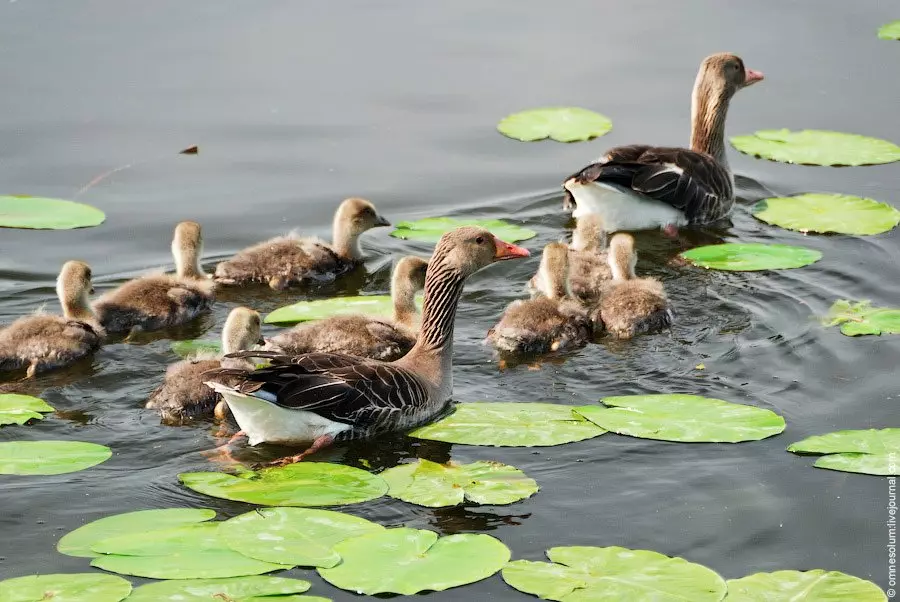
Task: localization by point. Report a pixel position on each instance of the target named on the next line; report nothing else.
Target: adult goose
(643, 187)
(44, 341)
(322, 397)
(286, 260)
(629, 305)
(550, 322)
(159, 300)
(374, 337)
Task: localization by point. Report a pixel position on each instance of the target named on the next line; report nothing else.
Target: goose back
(154, 302)
(47, 341)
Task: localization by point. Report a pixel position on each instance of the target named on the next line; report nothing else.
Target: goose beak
(751, 77)
(380, 221)
(506, 250)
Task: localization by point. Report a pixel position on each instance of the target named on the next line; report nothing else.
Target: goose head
(725, 73)
(622, 258)
(354, 216)
(552, 277)
(241, 331)
(187, 248)
(407, 280)
(73, 287)
(589, 234)
(470, 248)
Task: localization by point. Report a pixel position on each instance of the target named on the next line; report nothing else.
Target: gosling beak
(380, 221)
(751, 77)
(506, 250)
(91, 291)
(261, 341)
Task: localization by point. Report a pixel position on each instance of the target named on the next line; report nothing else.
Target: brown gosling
(286, 260)
(630, 305)
(588, 259)
(44, 341)
(158, 300)
(182, 396)
(551, 322)
(362, 335)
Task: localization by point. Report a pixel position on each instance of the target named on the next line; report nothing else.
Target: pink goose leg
(320, 443)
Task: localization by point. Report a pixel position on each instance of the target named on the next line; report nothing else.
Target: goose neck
(443, 288)
(709, 107)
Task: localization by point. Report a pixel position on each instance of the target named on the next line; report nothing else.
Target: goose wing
(695, 183)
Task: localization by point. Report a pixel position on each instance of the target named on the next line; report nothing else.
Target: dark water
(297, 105)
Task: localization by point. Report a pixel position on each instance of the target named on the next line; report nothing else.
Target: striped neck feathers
(443, 288)
(709, 107)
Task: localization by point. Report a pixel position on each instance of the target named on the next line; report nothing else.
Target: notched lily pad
(505, 424)
(435, 485)
(817, 147)
(38, 213)
(296, 536)
(803, 586)
(319, 309)
(684, 418)
(301, 484)
(50, 457)
(236, 589)
(194, 347)
(408, 561)
(890, 31)
(872, 451)
(581, 573)
(860, 318)
(820, 212)
(65, 587)
(563, 124)
(19, 409)
(430, 229)
(749, 257)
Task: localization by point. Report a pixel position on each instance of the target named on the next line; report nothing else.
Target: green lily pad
(582, 573)
(296, 536)
(861, 318)
(301, 484)
(890, 31)
(819, 212)
(803, 586)
(183, 552)
(50, 457)
(38, 213)
(435, 485)
(870, 451)
(80, 541)
(305, 311)
(817, 147)
(685, 418)
(408, 561)
(505, 424)
(430, 229)
(563, 124)
(749, 257)
(236, 589)
(65, 587)
(196, 346)
(19, 409)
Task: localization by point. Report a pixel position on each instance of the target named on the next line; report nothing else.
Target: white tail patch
(621, 208)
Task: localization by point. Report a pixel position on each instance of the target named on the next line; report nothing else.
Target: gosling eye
(480, 240)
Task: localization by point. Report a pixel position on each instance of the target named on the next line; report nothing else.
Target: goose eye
(480, 240)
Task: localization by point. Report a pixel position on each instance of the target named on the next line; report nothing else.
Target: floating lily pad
(870, 451)
(861, 318)
(685, 418)
(196, 346)
(890, 31)
(38, 213)
(301, 484)
(563, 124)
(582, 573)
(65, 587)
(510, 424)
(79, 541)
(296, 536)
(803, 586)
(749, 257)
(237, 589)
(50, 457)
(183, 552)
(19, 409)
(817, 147)
(408, 561)
(434, 485)
(430, 229)
(819, 212)
(304, 311)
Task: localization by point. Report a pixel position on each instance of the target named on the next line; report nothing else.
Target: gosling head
(552, 277)
(724, 74)
(241, 331)
(467, 249)
(354, 216)
(407, 280)
(73, 287)
(187, 249)
(589, 234)
(622, 258)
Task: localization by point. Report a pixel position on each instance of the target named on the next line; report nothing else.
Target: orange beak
(506, 250)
